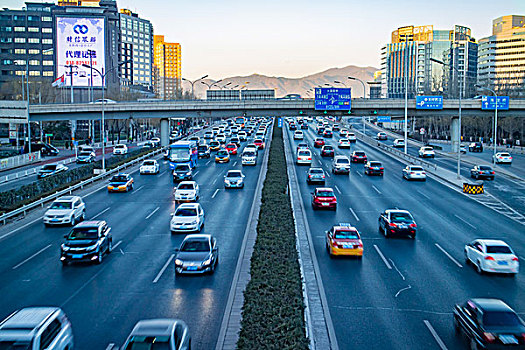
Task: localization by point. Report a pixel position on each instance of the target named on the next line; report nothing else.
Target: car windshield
(346, 235)
(61, 205)
(222, 153)
(203, 148)
(186, 212)
(500, 318)
(328, 148)
(359, 154)
(120, 146)
(119, 178)
(49, 167)
(342, 161)
(84, 154)
(325, 193)
(504, 155)
(376, 164)
(416, 168)
(248, 154)
(195, 246)
(316, 171)
(83, 233)
(304, 153)
(234, 174)
(343, 140)
(185, 187)
(231, 145)
(484, 167)
(148, 162)
(182, 168)
(400, 217)
(214, 143)
(149, 343)
(498, 249)
(257, 141)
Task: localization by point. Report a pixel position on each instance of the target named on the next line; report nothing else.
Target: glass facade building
(167, 76)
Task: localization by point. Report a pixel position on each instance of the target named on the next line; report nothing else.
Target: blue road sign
(429, 102)
(384, 119)
(333, 99)
(489, 102)
(280, 122)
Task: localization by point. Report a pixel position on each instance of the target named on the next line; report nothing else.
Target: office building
(407, 60)
(501, 62)
(223, 95)
(267, 94)
(86, 3)
(167, 76)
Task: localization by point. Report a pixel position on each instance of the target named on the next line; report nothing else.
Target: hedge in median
(273, 310)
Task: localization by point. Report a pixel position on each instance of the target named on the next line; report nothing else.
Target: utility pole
(71, 66)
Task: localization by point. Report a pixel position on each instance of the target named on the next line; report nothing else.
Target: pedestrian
(67, 145)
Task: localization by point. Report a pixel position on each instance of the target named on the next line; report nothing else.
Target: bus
(183, 152)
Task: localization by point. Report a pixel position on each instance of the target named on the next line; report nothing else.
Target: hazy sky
(293, 38)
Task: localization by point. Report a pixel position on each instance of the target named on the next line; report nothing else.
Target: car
(45, 149)
(259, 135)
(414, 172)
(259, 143)
(85, 156)
(292, 126)
(482, 172)
(475, 147)
(221, 138)
(490, 255)
(243, 136)
(341, 165)
(359, 157)
(304, 126)
(344, 239)
(156, 141)
(320, 130)
(324, 198)
(343, 133)
(489, 324)
(36, 328)
(327, 151)
(149, 144)
(344, 143)
(166, 154)
(397, 222)
(203, 151)
(236, 141)
(198, 254)
(304, 156)
(302, 145)
(186, 191)
(426, 152)
(319, 142)
(398, 143)
(234, 179)
(149, 166)
(120, 183)
(50, 169)
(336, 127)
(315, 175)
(502, 157)
(65, 210)
(182, 172)
(161, 333)
(381, 136)
(104, 101)
(208, 135)
(352, 137)
(214, 145)
(223, 156)
(231, 148)
(120, 149)
(328, 133)
(195, 139)
(463, 148)
(251, 147)
(298, 135)
(374, 168)
(249, 158)
(188, 217)
(88, 241)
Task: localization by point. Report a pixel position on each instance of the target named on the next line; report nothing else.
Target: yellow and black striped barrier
(473, 188)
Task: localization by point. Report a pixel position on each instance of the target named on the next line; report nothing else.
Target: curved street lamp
(193, 83)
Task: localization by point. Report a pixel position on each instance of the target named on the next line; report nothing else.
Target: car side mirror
(176, 250)
(215, 249)
(65, 236)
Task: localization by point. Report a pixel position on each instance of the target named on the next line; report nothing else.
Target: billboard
(76, 39)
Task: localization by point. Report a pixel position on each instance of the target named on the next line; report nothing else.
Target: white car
(149, 166)
(502, 157)
(343, 132)
(490, 255)
(426, 152)
(399, 143)
(221, 138)
(234, 179)
(249, 157)
(251, 148)
(187, 191)
(351, 137)
(243, 136)
(156, 141)
(208, 135)
(298, 135)
(65, 210)
(304, 156)
(344, 143)
(120, 149)
(341, 165)
(188, 217)
(381, 136)
(414, 172)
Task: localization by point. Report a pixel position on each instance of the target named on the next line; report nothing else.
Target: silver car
(65, 210)
(414, 172)
(198, 254)
(162, 333)
(234, 179)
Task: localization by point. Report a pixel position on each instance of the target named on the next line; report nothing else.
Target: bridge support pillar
(454, 134)
(164, 132)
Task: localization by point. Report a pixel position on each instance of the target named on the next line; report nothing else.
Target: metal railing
(17, 161)
(24, 173)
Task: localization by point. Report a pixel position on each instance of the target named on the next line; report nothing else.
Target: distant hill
(284, 86)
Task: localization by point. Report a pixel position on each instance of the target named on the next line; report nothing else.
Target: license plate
(77, 256)
(54, 220)
(402, 226)
(508, 339)
(191, 268)
(348, 245)
(324, 204)
(502, 263)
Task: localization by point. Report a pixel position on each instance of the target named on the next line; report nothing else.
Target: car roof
(90, 223)
(28, 318)
(492, 242)
(188, 206)
(67, 198)
(489, 304)
(340, 157)
(187, 183)
(396, 211)
(199, 236)
(324, 189)
(315, 168)
(157, 327)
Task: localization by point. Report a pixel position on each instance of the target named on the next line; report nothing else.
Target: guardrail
(24, 173)
(16, 161)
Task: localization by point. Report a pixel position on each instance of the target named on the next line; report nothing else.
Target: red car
(359, 157)
(231, 148)
(259, 143)
(324, 198)
(318, 142)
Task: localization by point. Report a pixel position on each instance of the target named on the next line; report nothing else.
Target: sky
(294, 38)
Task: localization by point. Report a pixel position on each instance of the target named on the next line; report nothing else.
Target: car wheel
(73, 220)
(83, 216)
(110, 247)
(64, 262)
(473, 344)
(457, 329)
(479, 269)
(100, 257)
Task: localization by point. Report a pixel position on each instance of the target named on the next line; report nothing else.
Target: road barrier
(17, 161)
(32, 171)
(473, 188)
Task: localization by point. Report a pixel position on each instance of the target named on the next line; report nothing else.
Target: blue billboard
(489, 102)
(429, 102)
(333, 99)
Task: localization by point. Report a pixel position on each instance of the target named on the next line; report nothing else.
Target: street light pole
(495, 120)
(193, 83)
(340, 82)
(406, 100)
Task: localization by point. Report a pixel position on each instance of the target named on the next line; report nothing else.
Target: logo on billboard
(80, 29)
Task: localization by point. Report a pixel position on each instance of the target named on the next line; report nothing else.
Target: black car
(45, 149)
(292, 126)
(320, 130)
(489, 324)
(328, 133)
(327, 151)
(182, 172)
(304, 126)
(482, 172)
(198, 254)
(475, 147)
(88, 241)
(203, 151)
(394, 222)
(236, 140)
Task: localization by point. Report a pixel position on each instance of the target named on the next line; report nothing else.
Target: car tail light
(515, 258)
(413, 225)
(381, 168)
(489, 337)
(423, 173)
(489, 258)
(412, 173)
(309, 158)
(392, 224)
(492, 172)
(323, 176)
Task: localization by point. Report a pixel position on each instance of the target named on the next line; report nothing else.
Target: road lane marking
(116, 245)
(159, 275)
(90, 193)
(337, 188)
(395, 267)
(215, 193)
(102, 212)
(354, 214)
(435, 335)
(31, 257)
(358, 173)
(375, 188)
(402, 290)
(110, 346)
(84, 286)
(424, 195)
(153, 212)
(163, 172)
(208, 162)
(448, 255)
(196, 173)
(383, 257)
(466, 222)
(21, 227)
(138, 189)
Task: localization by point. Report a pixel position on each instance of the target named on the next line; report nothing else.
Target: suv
(203, 151)
(475, 147)
(36, 328)
(120, 149)
(159, 334)
(341, 165)
(87, 241)
(65, 210)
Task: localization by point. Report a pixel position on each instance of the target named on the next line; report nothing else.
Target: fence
(16, 161)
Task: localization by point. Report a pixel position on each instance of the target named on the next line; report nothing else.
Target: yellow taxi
(222, 156)
(344, 239)
(215, 145)
(120, 183)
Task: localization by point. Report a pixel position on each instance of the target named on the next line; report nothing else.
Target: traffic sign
(429, 102)
(49, 135)
(489, 102)
(384, 119)
(333, 99)
(422, 131)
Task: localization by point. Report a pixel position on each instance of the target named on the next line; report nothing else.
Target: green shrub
(273, 310)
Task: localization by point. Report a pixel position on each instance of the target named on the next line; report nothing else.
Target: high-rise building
(87, 3)
(501, 62)
(136, 42)
(167, 68)
(407, 60)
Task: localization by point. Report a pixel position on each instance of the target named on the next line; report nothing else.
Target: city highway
(137, 280)
(401, 294)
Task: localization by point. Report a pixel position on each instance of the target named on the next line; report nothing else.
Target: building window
(20, 51)
(7, 62)
(47, 63)
(20, 40)
(48, 73)
(33, 40)
(20, 29)
(47, 30)
(34, 51)
(50, 52)
(34, 62)
(20, 72)
(6, 29)
(20, 62)
(34, 73)
(32, 18)
(33, 29)
(46, 19)
(46, 41)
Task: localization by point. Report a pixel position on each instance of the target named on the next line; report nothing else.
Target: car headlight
(178, 262)
(207, 262)
(226, 181)
(64, 247)
(188, 173)
(194, 222)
